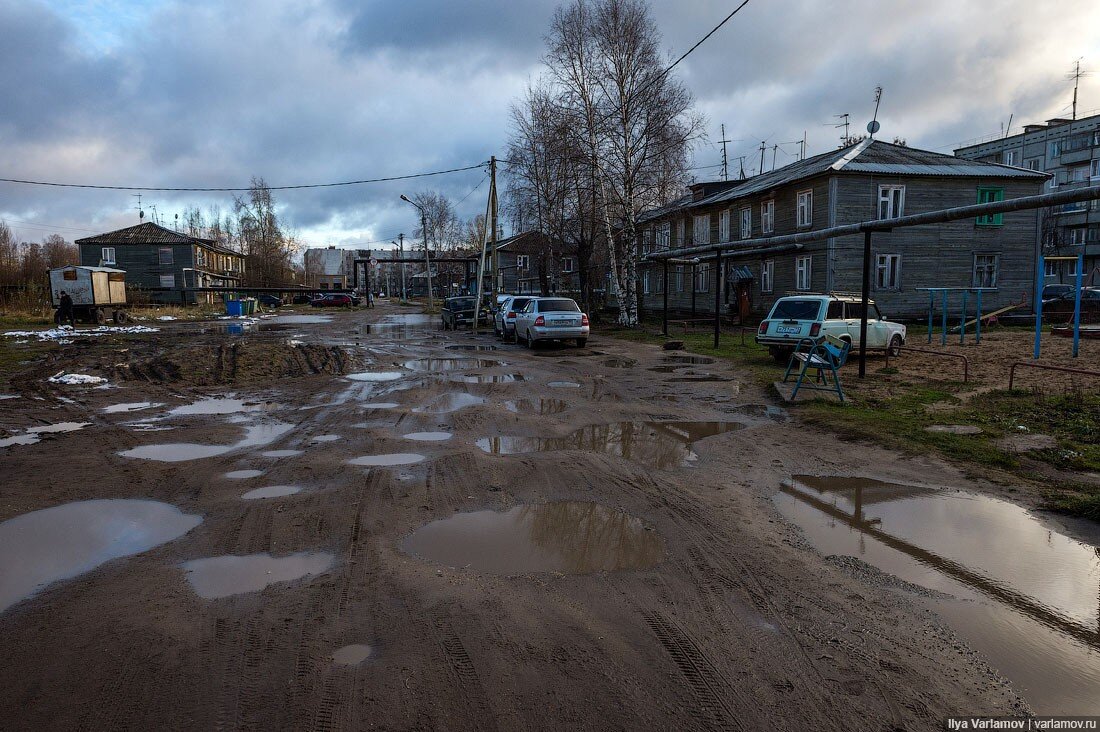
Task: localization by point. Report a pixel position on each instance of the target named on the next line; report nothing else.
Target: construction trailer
(96, 292)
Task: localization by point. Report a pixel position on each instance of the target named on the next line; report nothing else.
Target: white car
(551, 319)
(504, 320)
(795, 317)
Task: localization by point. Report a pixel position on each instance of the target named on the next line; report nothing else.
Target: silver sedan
(551, 319)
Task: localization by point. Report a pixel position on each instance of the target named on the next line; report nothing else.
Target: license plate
(788, 329)
(562, 323)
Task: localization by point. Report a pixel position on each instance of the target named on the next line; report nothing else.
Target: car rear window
(796, 309)
(463, 303)
(558, 306)
(519, 303)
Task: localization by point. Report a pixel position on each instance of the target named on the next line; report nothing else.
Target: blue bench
(824, 356)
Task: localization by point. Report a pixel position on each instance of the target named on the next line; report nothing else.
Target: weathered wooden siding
(143, 267)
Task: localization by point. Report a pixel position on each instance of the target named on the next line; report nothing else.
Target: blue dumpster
(233, 308)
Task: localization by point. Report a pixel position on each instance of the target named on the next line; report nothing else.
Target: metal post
(962, 323)
(693, 273)
(864, 297)
(664, 311)
(428, 262)
(978, 321)
(1077, 304)
(1038, 303)
(931, 312)
(943, 335)
(717, 295)
(401, 250)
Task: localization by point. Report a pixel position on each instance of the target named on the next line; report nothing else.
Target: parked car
(333, 300)
(460, 311)
(303, 298)
(1056, 292)
(796, 317)
(504, 320)
(269, 301)
(551, 319)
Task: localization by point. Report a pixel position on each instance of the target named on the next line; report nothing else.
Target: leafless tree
(267, 247)
(58, 252)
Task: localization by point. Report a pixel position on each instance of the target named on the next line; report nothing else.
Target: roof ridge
(852, 154)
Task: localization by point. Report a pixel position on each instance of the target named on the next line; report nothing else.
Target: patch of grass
(16, 357)
(24, 320)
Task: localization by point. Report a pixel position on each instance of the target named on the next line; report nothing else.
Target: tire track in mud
(479, 713)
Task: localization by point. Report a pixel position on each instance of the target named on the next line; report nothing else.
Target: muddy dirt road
(486, 538)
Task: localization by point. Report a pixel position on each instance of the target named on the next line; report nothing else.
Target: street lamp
(424, 229)
(401, 250)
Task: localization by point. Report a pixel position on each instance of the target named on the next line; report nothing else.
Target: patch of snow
(76, 379)
(167, 317)
(65, 332)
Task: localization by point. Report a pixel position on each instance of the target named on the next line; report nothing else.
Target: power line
(704, 38)
(239, 190)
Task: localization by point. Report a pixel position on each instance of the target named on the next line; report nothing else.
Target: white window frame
(108, 255)
(567, 265)
(1050, 267)
(523, 261)
(702, 278)
(767, 216)
(805, 208)
(889, 205)
(746, 222)
(645, 282)
(1010, 157)
(724, 226)
(664, 235)
(804, 273)
(1076, 237)
(979, 280)
(700, 229)
(647, 240)
(170, 259)
(1055, 148)
(1034, 164)
(887, 271)
(1094, 169)
(1079, 173)
(167, 280)
(681, 232)
(767, 275)
(678, 278)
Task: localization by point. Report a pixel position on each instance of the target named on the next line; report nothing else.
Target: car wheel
(581, 342)
(895, 345)
(530, 341)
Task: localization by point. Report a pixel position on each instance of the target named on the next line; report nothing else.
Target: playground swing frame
(1040, 278)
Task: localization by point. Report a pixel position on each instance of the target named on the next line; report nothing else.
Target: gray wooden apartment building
(869, 180)
(155, 257)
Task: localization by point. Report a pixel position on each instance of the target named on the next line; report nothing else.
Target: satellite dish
(141, 215)
(873, 126)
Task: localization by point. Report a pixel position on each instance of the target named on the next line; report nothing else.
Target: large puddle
(655, 444)
(234, 575)
(375, 376)
(174, 452)
(434, 365)
(221, 406)
(451, 402)
(32, 435)
(58, 543)
(387, 460)
(570, 537)
(489, 378)
(541, 407)
(271, 491)
(131, 407)
(302, 319)
(1028, 597)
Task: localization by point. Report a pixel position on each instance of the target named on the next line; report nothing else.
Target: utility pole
(427, 260)
(763, 147)
(495, 256)
(725, 161)
(775, 149)
(1076, 76)
(802, 156)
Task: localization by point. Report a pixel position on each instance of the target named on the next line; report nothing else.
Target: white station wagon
(795, 317)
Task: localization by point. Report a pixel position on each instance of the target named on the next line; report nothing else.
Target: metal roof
(145, 233)
(90, 269)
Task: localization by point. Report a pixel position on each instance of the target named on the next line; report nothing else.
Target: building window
(767, 217)
(767, 275)
(1011, 157)
(1055, 148)
(108, 256)
(664, 234)
(803, 272)
(647, 240)
(1075, 237)
(659, 280)
(1050, 267)
(888, 272)
(991, 195)
(702, 278)
(700, 230)
(985, 270)
(681, 235)
(805, 208)
(746, 223)
(165, 254)
(678, 278)
(645, 282)
(891, 202)
(724, 226)
(168, 280)
(1094, 171)
(1071, 267)
(523, 261)
(1033, 164)
(567, 264)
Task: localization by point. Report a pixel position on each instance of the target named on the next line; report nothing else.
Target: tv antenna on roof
(141, 213)
(844, 124)
(873, 126)
(1076, 75)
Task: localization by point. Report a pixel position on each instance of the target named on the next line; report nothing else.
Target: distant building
(165, 262)
(869, 180)
(325, 268)
(1070, 151)
(532, 262)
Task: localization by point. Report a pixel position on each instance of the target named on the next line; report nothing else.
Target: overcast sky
(201, 93)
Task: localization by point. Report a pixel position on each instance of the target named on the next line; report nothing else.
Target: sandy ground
(740, 625)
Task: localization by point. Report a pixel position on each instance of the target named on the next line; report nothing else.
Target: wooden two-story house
(869, 180)
(165, 262)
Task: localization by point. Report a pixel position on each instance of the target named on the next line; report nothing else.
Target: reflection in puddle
(281, 453)
(564, 384)
(620, 362)
(255, 436)
(25, 439)
(302, 319)
(1027, 595)
(326, 438)
(541, 407)
(351, 655)
(428, 436)
(471, 348)
(234, 575)
(552, 537)
(243, 474)
(375, 376)
(693, 360)
(57, 543)
(271, 491)
(222, 406)
(449, 364)
(396, 458)
(447, 403)
(380, 405)
(131, 407)
(656, 444)
(489, 378)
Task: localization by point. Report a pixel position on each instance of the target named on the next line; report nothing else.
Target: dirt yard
(654, 584)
